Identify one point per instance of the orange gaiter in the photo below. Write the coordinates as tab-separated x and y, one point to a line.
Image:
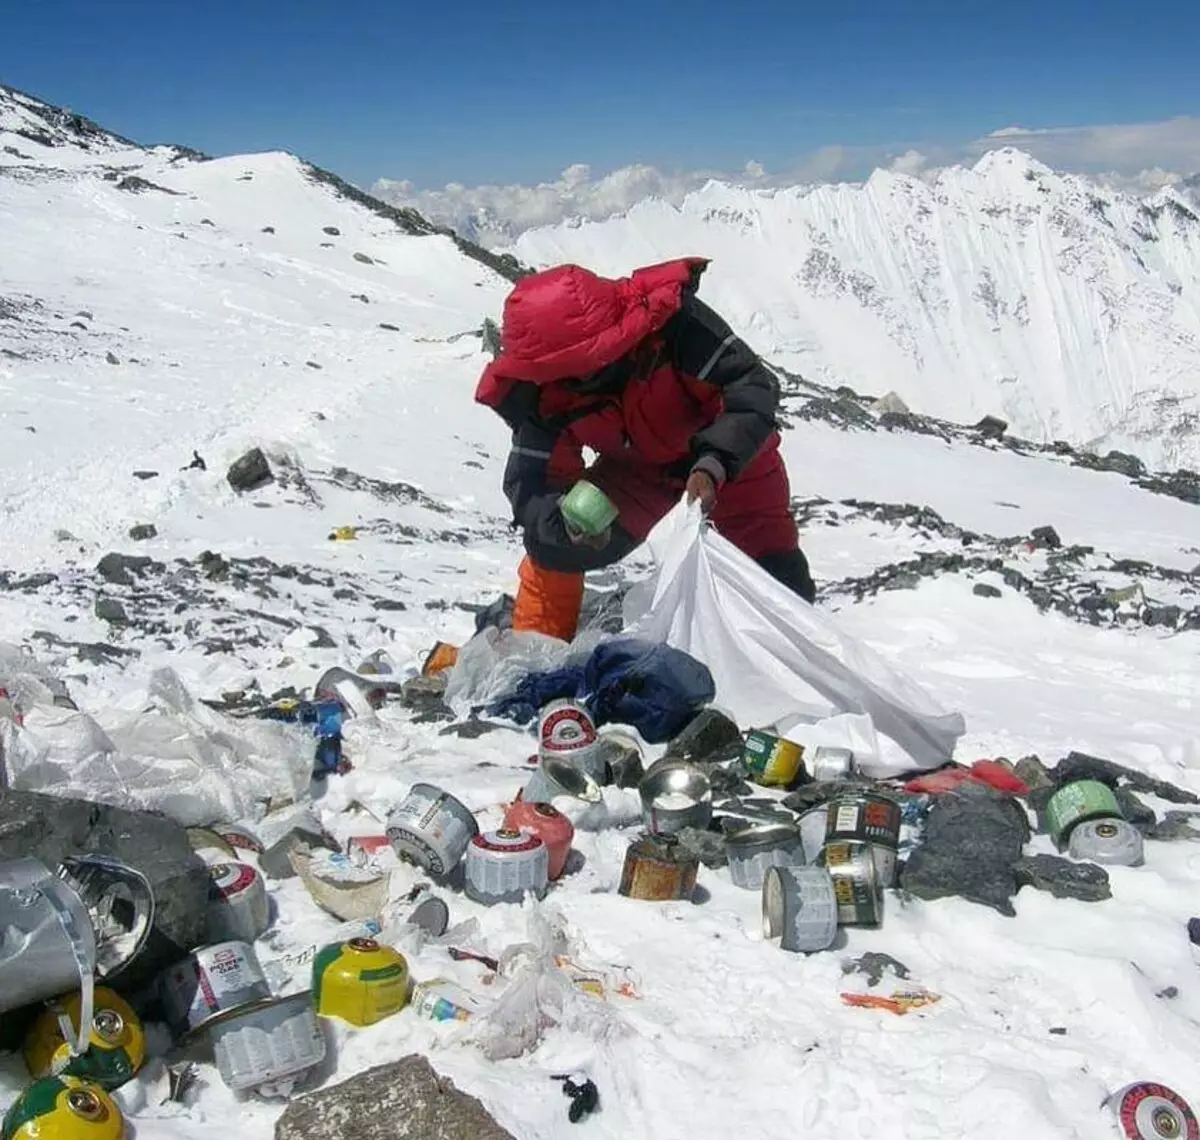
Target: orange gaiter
548	601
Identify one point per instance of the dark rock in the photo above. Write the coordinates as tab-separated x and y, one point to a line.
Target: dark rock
144	475
472	729
811	795
1081	766
405	1100
707	846
1058	1030
143	531
332	231
207	222
972	844
250	471
1138	813
121	569
622	760
710	737
94	653
1034	773
491	336
345	594
991	427
390	328
873	966
213	566
360	297
388	604
87	316
305	835
79	325
268	229
497	615
1193	929
364	259
50	828
33	582
321	638
1127	465
197	463
983	590
111	358
1162	615
1168	992
1045	538
313	364
1175	825
111	611
1063	878
424	693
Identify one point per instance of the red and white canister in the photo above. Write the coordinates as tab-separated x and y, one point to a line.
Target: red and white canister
238	909
553	828
567	732
500	866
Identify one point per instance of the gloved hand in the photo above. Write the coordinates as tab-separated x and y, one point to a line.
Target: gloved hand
701	485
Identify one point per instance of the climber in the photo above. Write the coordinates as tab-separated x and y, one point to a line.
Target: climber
643	373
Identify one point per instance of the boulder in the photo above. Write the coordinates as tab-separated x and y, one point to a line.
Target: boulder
991	427
50	828
1045	538
143	531
710	737
250	471
1063	878
405	1100
984	590
1081	766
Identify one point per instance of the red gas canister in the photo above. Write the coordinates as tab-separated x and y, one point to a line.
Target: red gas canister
553	828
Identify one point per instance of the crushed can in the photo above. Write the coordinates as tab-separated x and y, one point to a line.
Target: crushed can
63	1108
116	1046
360	981
771	760
271	1047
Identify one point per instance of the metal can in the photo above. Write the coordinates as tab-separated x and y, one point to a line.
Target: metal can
657	868
359	981
210	984
116	1045
567	732
866	817
63	1108
238	910
440	999
799	907
553	828
559	778
240	839
856	883
270	1047
1076	802
1115	842
675	795
751	850
1147	1110
771	760
831	764
501	866
432	829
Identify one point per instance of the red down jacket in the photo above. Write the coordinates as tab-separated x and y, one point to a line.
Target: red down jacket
643	373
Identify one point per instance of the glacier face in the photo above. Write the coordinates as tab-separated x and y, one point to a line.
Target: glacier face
1071	310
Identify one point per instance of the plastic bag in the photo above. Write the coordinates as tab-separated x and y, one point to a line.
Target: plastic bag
775	658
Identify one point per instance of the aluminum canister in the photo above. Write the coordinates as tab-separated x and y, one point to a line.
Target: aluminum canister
1148	1110
752	850
270	1047
829	763
238	910
440	999
675	795
856	883
119	902
359	981
211	983
870	818
1076	802
116	1044
47	943
657	868
1115	842
771	760
799	907
502	865
566	732
432	829
553	828
63	1108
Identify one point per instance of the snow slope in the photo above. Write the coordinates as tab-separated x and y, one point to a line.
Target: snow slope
214	324
1070	310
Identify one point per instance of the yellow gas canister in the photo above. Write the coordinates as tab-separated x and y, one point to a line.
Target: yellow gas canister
116	1044
63	1108
359	981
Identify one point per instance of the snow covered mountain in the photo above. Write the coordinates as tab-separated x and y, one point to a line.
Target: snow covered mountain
161	313
1070	310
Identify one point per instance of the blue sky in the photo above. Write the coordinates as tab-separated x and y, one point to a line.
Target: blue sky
471	91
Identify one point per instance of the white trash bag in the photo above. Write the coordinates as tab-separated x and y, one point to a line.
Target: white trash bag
775	660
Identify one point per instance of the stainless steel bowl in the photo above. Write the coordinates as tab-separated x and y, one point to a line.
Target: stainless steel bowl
559	778
675	795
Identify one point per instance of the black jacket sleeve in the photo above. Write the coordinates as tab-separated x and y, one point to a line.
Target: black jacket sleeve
704	346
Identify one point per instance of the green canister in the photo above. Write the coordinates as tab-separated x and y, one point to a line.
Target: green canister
588	509
1073	803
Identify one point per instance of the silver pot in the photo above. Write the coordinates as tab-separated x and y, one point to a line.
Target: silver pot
675	795
751	850
559	778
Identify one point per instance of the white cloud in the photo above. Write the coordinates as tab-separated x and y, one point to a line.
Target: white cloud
1136	157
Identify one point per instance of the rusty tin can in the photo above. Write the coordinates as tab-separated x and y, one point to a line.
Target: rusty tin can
657	868
856	883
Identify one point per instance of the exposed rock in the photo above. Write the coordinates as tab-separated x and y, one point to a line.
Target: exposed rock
213	566
1034	773
121	569
50	828
389	604
332	231
313	364
144	475
32	582
268	229
873	966
705	845
405	1100
1081	766
472	729
360	297
710	737
425	694
197	463
972	844
991	427
1175	825
390	328
1139	814
250	471
111	358
111	611
983	590
143	531
364	259
1162	615
1045	538
491	336
889	402
1063	878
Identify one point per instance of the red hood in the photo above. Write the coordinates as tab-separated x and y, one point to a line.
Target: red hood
567	322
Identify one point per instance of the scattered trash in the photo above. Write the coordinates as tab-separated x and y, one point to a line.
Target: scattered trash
873	966
270	1047
585	1097
871	819
772	761
856	882
210	984
899	1002
180	1079
440	999
238	910
431	829
1110	841
658	868
559	778
800	908
675	795
751	850
360	981
566	732
66	1107
830	763
340	885
1077	803
344	533
545	821
500	866
1147	1110
116	1044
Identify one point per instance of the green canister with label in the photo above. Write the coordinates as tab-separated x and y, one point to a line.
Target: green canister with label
1076	802
587	509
